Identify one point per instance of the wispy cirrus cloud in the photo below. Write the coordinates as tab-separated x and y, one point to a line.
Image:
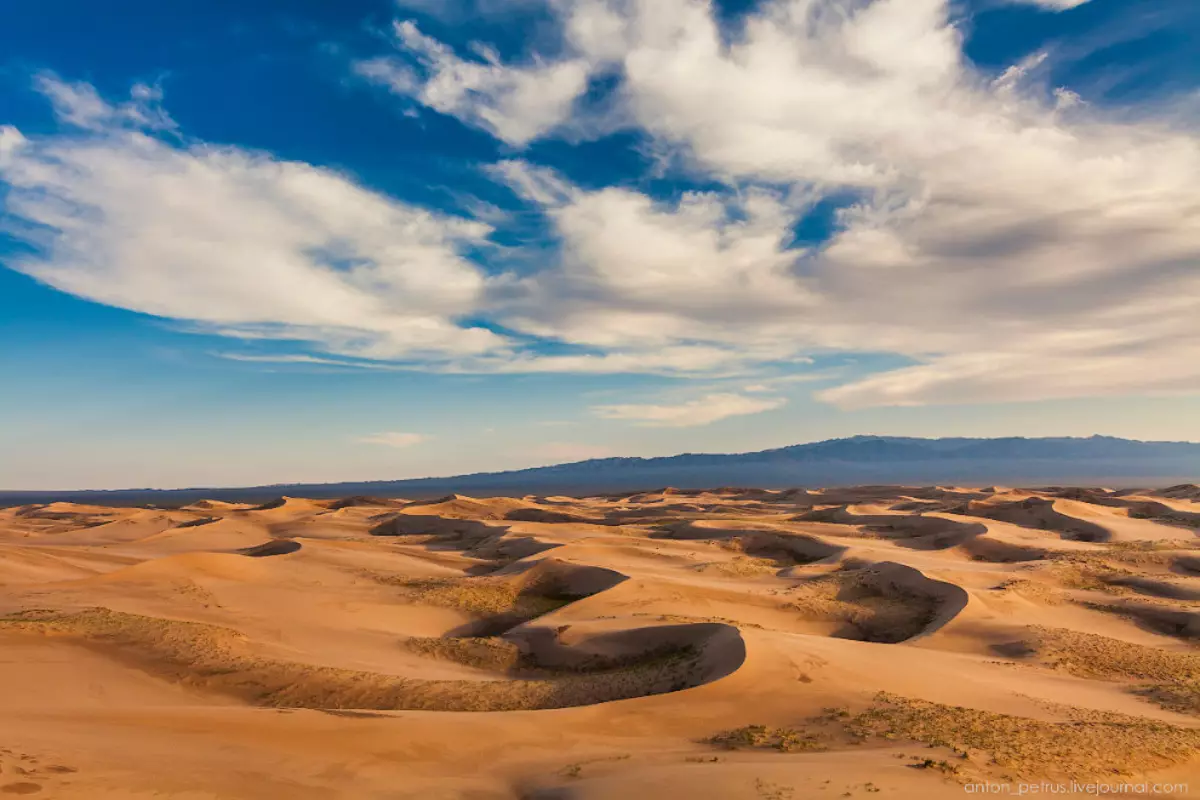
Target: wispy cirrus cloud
515	103
79	104
692	413
297	358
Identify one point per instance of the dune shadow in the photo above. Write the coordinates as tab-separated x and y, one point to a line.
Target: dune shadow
1186	565
197	523
885	602
275	547
985	548
1174	622
1038	513
1156	588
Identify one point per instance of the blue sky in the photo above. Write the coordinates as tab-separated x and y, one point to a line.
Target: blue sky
309	241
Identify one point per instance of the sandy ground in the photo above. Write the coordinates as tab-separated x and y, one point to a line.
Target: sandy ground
905	642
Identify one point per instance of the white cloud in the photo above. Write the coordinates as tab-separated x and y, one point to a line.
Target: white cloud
79	104
694	284
991	214
1006	238
682	359
11	140
238	240
515	103
300	358
1052	5
701	411
1053	366
395	439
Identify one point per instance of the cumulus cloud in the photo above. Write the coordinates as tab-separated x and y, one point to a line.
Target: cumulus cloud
701	411
395	439
991	220
695	283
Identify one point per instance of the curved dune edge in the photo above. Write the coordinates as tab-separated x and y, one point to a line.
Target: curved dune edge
917	530
884	602
505	598
783	546
209	658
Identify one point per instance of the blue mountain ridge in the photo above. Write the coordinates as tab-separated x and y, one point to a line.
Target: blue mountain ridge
834	462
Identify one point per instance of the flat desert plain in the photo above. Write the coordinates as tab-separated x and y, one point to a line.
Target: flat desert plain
735	643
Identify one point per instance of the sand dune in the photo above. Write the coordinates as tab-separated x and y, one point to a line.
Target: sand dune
729	643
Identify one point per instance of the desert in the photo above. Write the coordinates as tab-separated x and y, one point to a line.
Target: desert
599	399
730	643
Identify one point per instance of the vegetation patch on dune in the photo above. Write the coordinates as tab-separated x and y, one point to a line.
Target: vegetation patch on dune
1098	745
1136	554
479	596
501	656
503	601
1172	678
1089	655
1124	570
1170	606
1182	696
865	611
498	604
486	653
1033	590
219	660
753	737
739	567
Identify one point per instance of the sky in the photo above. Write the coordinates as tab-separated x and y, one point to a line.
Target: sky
301	241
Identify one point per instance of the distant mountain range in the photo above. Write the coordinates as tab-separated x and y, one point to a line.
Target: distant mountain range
1097	460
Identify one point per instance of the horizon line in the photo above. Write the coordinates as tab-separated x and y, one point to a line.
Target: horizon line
287	484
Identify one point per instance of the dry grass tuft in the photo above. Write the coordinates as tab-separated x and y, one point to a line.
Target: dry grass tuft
1174	676
753	737
492	654
1089	655
740	567
1097	746
866	612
